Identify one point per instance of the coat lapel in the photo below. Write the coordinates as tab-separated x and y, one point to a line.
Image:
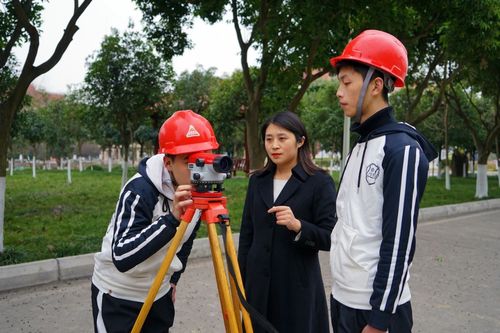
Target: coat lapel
265	188
298	177
291	186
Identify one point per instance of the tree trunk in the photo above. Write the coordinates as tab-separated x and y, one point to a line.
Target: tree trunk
439	162
125	165
155	123
2	208
133	155
110	159
256	152
498	160
446	167
29	73
69	171
346	142
124	172
458	164
481	181
473	167
33	166
6	118
482	174
79	146
246	153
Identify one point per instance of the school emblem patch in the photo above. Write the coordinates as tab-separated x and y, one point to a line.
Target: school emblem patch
372	173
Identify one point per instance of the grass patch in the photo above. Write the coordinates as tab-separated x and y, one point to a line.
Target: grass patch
462	190
47	218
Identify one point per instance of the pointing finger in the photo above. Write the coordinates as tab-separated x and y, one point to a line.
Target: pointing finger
275	209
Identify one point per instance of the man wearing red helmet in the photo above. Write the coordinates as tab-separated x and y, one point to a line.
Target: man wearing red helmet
144	222
373	242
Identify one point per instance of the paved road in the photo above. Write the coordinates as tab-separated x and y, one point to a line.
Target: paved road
455	283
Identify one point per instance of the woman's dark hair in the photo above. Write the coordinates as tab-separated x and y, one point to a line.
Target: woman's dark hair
291	122
363	70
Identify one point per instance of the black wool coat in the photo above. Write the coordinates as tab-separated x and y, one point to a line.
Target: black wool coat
281	272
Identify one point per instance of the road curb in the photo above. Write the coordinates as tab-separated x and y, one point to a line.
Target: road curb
52	270
439	212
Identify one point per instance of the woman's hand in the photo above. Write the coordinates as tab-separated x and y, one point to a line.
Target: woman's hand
285	217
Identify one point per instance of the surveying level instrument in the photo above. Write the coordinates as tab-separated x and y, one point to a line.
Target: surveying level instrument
207	174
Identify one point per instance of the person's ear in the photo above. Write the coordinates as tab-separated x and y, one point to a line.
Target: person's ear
167	162
300	141
378	86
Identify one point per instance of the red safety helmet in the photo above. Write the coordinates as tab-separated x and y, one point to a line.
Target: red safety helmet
186	132
380	50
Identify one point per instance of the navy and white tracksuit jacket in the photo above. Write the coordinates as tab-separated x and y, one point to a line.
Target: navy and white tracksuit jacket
139	234
373	242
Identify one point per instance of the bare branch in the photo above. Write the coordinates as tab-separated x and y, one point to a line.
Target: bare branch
65	40
244	48
435	105
267	56
471	102
309	76
461	114
21	15
424	83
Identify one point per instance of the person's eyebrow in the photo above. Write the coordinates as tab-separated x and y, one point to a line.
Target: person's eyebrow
342	76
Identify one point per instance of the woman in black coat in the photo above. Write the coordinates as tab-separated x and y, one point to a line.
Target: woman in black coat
288	216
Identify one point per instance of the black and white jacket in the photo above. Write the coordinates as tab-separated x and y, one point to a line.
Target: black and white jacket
373	242
139	234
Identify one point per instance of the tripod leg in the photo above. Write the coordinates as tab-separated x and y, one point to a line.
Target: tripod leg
231	251
236	303
219	280
159	277
222	284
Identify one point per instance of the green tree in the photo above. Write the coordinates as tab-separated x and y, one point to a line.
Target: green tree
125	80
476	67
227	114
322	115
58	136
31	128
192	89
102	132
19	22
76	117
144	135
418	24
481	116
294	39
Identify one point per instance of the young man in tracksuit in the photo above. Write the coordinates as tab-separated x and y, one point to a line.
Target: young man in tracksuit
144	222
373	242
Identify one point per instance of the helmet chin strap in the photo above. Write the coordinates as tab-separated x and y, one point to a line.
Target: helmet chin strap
362	94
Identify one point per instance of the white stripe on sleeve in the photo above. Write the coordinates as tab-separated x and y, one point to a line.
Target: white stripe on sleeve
402	191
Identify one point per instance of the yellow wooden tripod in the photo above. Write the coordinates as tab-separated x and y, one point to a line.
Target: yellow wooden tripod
213	210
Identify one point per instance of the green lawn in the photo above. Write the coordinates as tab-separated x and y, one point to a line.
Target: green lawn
47	218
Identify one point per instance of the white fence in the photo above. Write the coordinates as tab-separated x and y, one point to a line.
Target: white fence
75	163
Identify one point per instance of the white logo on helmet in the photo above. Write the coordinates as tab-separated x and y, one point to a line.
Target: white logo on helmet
192	132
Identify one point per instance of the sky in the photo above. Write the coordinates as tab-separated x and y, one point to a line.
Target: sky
213	45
